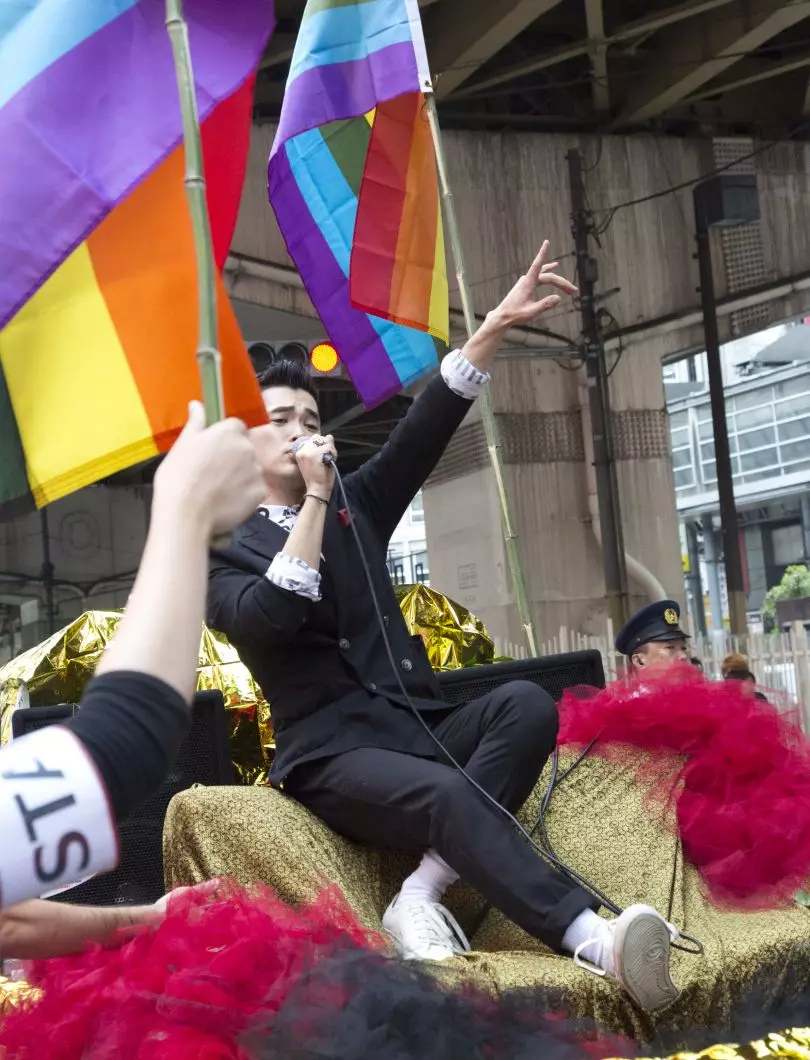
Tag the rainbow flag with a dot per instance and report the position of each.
(352, 180)
(98, 290)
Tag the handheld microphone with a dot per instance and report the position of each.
(299, 444)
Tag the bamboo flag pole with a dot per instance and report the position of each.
(208, 355)
(491, 430)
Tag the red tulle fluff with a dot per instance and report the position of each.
(186, 989)
(743, 793)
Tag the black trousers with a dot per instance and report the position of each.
(389, 799)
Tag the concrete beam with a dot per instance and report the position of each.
(595, 22)
(641, 27)
(725, 43)
(758, 71)
(463, 36)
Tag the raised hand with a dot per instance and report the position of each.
(522, 305)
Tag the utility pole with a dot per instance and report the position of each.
(729, 527)
(599, 400)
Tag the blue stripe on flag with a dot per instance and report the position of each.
(348, 33)
(333, 207)
(35, 33)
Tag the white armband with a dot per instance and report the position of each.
(56, 823)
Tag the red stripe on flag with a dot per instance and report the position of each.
(380, 205)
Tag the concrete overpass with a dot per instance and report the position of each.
(521, 84)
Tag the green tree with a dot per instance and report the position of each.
(795, 583)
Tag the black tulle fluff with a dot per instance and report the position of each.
(359, 1006)
(772, 1004)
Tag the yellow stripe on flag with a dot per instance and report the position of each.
(77, 407)
(439, 315)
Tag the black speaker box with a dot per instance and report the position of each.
(204, 758)
(554, 673)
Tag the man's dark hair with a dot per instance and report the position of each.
(292, 374)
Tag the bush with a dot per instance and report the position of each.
(795, 583)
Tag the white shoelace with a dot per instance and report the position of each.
(437, 926)
(605, 949)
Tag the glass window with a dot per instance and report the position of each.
(795, 452)
(684, 476)
(794, 407)
(755, 476)
(756, 439)
(707, 451)
(709, 473)
(754, 418)
(751, 399)
(788, 546)
(679, 437)
(681, 458)
(678, 420)
(789, 387)
(791, 429)
(761, 459)
(705, 429)
(416, 513)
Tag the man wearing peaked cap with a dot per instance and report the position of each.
(653, 636)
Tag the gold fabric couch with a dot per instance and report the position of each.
(600, 822)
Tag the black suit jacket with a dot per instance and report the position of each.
(323, 666)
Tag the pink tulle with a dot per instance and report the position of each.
(743, 793)
(186, 989)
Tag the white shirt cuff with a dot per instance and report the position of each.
(291, 573)
(462, 378)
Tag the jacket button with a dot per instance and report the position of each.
(385, 621)
(372, 687)
(344, 644)
(406, 665)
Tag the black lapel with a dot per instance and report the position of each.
(267, 539)
(261, 536)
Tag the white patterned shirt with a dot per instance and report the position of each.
(291, 573)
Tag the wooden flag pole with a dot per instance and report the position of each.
(491, 430)
(209, 358)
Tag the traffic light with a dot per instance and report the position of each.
(324, 359)
(321, 358)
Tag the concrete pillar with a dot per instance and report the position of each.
(711, 554)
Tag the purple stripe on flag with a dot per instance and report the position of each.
(346, 90)
(350, 330)
(79, 137)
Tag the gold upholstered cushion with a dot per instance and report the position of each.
(601, 821)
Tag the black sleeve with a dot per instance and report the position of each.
(132, 726)
(245, 605)
(385, 485)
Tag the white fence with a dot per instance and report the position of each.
(779, 661)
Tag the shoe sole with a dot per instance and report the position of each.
(642, 961)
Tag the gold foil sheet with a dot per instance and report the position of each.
(453, 636)
(15, 994)
(57, 670)
(793, 1043)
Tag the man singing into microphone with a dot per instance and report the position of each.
(291, 594)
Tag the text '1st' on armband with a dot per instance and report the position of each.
(57, 826)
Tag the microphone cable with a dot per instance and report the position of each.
(547, 854)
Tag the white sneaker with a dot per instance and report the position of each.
(424, 931)
(635, 950)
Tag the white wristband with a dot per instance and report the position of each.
(55, 818)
